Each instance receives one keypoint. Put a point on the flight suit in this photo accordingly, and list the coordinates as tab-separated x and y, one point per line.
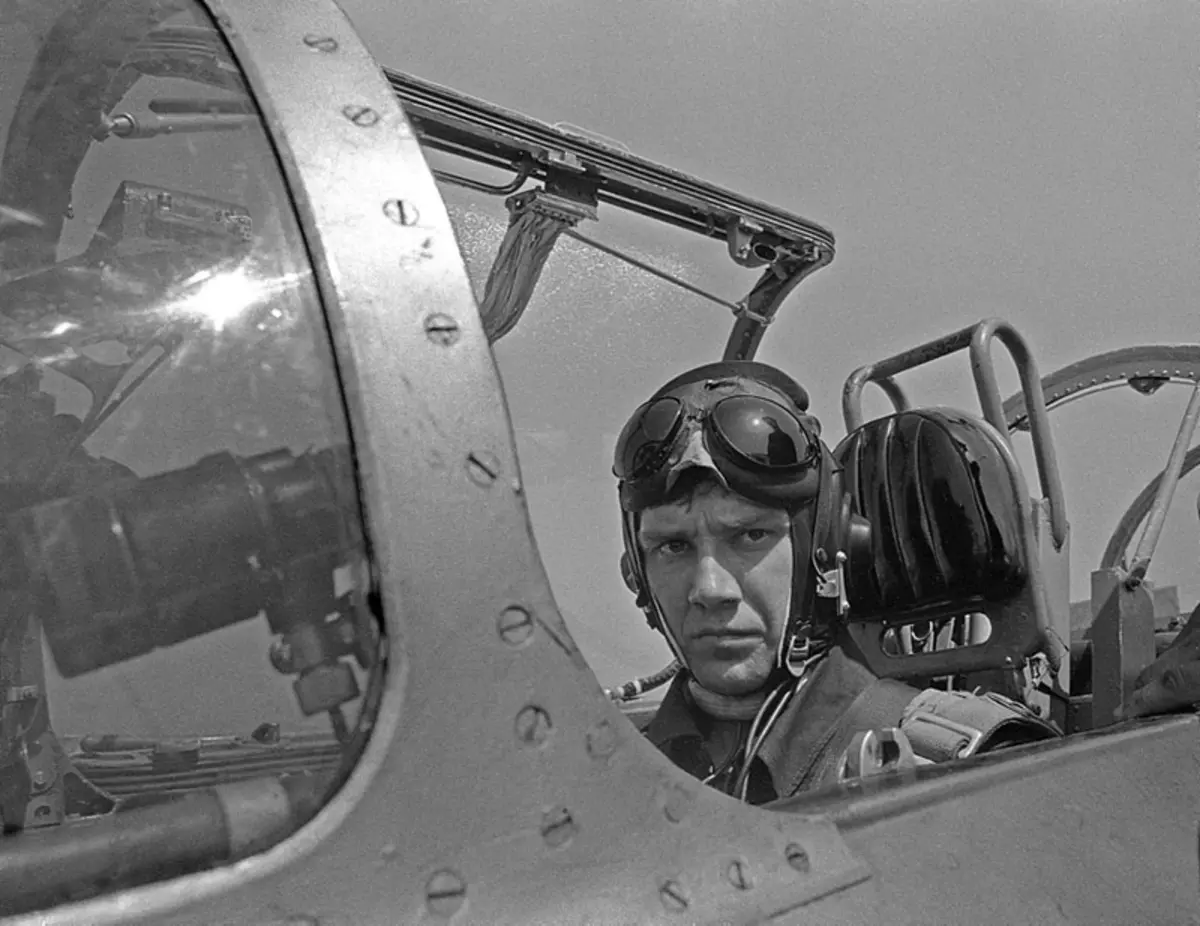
841	698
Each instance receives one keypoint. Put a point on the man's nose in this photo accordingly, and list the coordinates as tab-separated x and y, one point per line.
713	586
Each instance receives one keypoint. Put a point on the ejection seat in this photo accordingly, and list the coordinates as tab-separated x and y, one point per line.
964	583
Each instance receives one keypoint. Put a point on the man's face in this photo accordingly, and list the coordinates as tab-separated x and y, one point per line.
720	568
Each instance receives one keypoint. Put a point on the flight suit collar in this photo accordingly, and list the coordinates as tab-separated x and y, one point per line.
675	731
803	746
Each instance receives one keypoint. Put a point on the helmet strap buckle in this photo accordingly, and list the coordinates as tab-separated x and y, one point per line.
831	583
803	652
799	652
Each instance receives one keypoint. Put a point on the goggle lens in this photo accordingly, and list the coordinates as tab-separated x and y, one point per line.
646	441
763	433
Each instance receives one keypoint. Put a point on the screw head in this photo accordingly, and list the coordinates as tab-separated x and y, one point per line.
558	827
672	896
325	43
445	892
362	116
601	740
441	329
515	625
533	725
797	857
739	875
482	467
403	213
677	803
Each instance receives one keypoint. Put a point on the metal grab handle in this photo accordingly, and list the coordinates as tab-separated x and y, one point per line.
978	338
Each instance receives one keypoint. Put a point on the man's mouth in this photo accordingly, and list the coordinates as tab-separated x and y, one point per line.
726	633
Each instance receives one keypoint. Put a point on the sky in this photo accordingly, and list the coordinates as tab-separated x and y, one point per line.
1032	160
1036	161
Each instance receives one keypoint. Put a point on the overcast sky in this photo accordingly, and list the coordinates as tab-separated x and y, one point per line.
1032	160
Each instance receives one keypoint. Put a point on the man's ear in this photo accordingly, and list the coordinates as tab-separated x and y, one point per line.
641	594
630	576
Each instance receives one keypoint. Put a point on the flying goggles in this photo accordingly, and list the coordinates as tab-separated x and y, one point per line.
763	449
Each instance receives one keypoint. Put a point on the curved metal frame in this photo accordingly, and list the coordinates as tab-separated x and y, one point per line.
1168	363
1177	363
978	340
1136	513
532	798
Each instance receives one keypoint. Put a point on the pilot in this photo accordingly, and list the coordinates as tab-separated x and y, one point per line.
727	503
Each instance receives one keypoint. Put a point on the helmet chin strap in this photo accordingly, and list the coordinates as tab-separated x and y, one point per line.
803	642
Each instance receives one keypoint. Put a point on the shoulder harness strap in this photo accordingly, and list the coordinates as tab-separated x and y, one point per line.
944	725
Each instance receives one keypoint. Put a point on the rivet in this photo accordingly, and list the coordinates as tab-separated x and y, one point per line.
515	625
403	213
797	857
362	116
738	876
677	803
482	467
558	827
532	725
445	892
601	740
39	778
325	43
441	328
672	896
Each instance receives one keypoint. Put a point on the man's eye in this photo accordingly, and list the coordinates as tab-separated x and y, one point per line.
756	534
673	547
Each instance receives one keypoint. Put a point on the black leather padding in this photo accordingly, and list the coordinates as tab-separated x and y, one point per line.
945	509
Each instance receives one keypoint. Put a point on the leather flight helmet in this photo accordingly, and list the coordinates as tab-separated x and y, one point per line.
747	424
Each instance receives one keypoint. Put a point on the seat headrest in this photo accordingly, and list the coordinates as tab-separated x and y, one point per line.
947	506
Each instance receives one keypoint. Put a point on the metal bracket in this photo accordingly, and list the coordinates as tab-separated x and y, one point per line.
873	752
832	584
743	310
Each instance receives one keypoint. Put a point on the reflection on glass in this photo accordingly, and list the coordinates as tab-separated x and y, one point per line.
183	577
